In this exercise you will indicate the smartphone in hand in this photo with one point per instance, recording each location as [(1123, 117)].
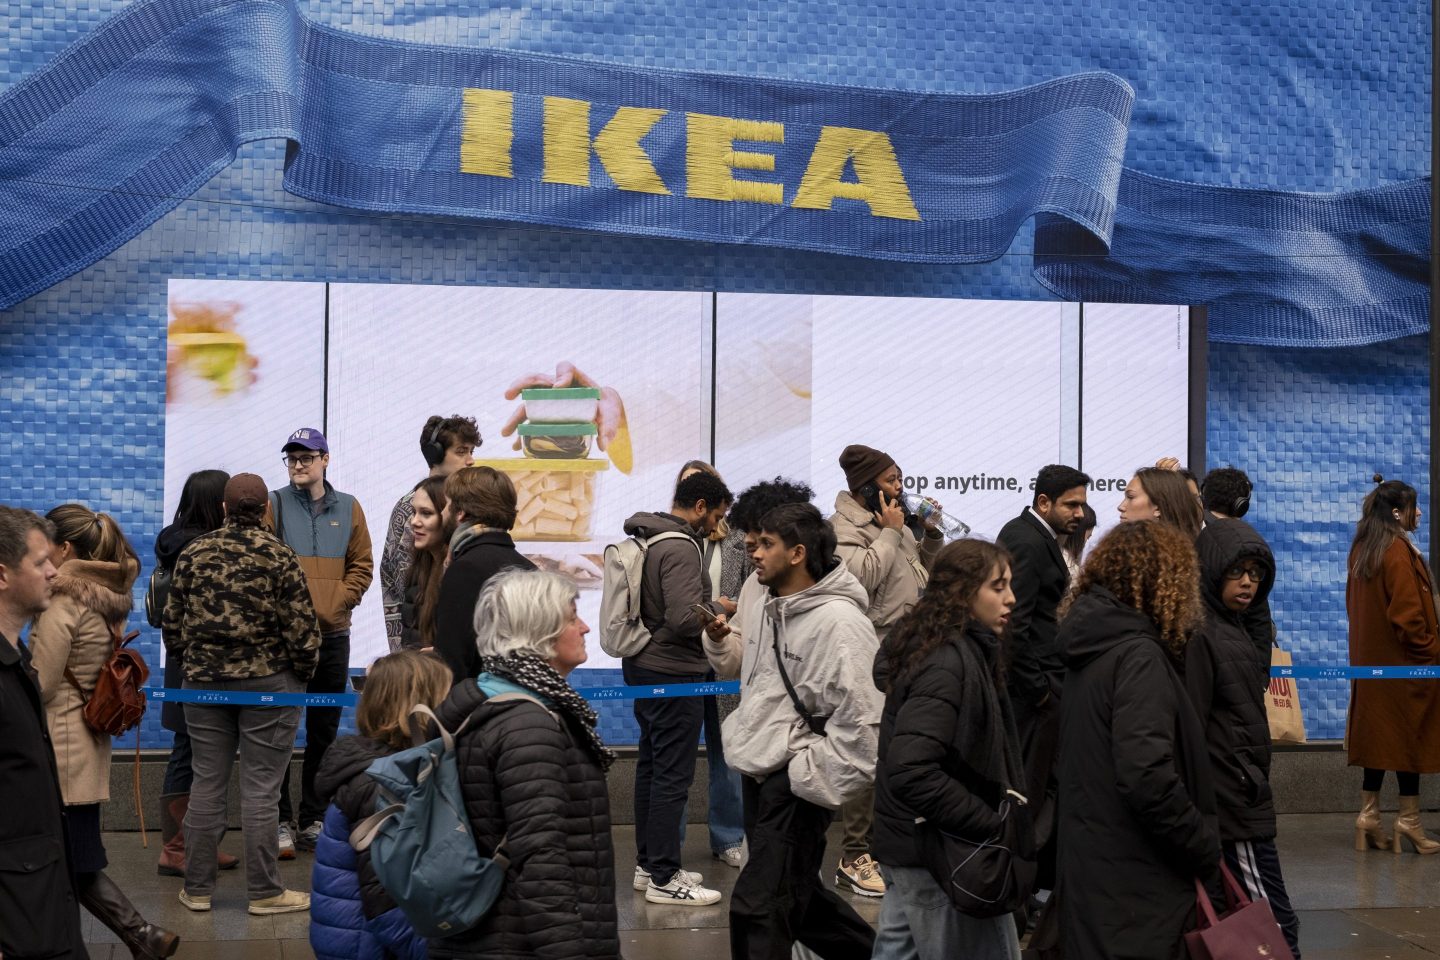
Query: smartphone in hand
[(706, 615)]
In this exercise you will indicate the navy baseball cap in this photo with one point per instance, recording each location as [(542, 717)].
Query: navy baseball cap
[(306, 438)]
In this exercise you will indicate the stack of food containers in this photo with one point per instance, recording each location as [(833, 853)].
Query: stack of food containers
[(556, 479)]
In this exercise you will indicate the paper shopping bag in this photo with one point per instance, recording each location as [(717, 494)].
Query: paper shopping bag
[(1282, 703)]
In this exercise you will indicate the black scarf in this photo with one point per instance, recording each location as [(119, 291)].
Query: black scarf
[(535, 674)]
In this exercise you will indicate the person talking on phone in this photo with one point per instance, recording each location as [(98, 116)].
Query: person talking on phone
[(889, 551)]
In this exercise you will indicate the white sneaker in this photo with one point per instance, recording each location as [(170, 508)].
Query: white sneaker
[(683, 891), (642, 878), (731, 856), (286, 842)]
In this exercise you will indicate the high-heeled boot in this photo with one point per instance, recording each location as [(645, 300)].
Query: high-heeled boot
[(1408, 827), (108, 903), (172, 830), (1369, 833)]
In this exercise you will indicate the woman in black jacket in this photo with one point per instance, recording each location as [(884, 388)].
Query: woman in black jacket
[(534, 773), (948, 751), (1227, 678), (1137, 809), (200, 511)]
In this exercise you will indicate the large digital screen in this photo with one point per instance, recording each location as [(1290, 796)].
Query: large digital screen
[(970, 397)]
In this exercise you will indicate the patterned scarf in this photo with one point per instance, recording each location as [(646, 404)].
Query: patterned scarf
[(535, 674)]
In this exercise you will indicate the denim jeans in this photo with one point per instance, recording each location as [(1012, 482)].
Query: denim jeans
[(265, 738), (918, 922), (669, 742), (178, 773), (332, 675), (727, 818)]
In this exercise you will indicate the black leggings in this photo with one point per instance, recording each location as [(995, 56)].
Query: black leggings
[(1409, 783)]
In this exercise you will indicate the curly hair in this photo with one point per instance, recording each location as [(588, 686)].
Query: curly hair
[(959, 570), (1149, 565)]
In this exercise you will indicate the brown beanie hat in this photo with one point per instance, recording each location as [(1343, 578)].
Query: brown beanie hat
[(244, 487), (863, 464)]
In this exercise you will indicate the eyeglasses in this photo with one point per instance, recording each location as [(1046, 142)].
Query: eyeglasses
[(302, 460), (1252, 570)]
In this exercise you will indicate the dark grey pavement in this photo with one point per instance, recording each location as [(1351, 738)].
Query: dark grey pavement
[(1353, 906)]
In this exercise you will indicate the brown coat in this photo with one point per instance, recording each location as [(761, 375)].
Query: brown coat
[(1394, 724), (75, 633)]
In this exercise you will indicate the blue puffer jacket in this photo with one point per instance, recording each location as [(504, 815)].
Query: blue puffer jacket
[(351, 915)]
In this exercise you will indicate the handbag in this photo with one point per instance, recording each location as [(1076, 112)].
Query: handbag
[(816, 724), (1246, 930), (1282, 703), (992, 877), (117, 704)]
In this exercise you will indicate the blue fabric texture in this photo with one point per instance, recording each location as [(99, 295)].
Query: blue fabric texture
[(1303, 97), (138, 115), (338, 927)]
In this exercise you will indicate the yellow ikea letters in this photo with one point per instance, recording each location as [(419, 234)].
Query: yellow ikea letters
[(711, 155)]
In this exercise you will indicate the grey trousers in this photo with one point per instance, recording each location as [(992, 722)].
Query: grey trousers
[(265, 739)]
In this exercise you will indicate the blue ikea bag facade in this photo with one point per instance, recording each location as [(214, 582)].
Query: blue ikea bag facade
[(420, 842)]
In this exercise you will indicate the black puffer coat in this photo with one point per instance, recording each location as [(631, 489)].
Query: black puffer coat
[(1136, 806), (948, 749), (525, 775), (1226, 677)]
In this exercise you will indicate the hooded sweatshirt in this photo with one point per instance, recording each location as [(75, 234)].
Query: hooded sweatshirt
[(673, 579), (829, 646), (1226, 677)]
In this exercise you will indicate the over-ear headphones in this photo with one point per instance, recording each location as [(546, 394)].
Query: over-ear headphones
[(1239, 506), (432, 450)]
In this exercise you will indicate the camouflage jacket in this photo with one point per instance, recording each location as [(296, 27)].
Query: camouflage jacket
[(241, 608)]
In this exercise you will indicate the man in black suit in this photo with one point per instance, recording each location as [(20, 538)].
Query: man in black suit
[(1038, 576)]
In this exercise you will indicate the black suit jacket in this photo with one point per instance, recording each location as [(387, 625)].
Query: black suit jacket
[(1039, 578)]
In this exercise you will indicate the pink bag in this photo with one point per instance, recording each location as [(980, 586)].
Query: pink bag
[(1246, 931)]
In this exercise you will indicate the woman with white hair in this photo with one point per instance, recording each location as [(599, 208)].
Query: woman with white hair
[(533, 772)]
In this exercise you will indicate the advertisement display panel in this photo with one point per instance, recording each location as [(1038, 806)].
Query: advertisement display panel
[(971, 398)]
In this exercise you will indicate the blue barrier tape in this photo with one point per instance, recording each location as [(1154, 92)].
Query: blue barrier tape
[(1358, 673), (242, 698)]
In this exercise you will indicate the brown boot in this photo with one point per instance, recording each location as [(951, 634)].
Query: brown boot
[(1408, 827), (1369, 834), (110, 906), (173, 807)]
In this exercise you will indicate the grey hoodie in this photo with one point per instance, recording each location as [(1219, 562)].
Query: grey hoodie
[(673, 580), (829, 646)]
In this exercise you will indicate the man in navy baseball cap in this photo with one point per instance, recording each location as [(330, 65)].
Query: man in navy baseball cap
[(306, 438), (326, 529)]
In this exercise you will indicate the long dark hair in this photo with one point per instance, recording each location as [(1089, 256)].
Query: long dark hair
[(959, 570), (428, 566), (1378, 526), (202, 501)]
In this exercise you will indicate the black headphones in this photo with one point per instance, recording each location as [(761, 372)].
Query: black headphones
[(1238, 507), (431, 449)]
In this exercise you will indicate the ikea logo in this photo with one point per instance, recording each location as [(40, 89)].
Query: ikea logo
[(711, 155)]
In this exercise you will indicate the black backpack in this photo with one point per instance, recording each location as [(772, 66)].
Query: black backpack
[(156, 595)]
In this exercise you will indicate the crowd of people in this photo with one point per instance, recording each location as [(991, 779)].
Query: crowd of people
[(1107, 702)]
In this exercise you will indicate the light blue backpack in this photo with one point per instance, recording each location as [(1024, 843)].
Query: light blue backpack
[(420, 841)]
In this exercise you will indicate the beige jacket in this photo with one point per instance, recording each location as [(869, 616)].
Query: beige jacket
[(891, 566), (74, 632)]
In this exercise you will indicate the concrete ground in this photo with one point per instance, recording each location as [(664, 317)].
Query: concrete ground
[(1353, 906)]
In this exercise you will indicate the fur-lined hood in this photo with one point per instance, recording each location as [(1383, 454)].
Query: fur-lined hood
[(100, 586)]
